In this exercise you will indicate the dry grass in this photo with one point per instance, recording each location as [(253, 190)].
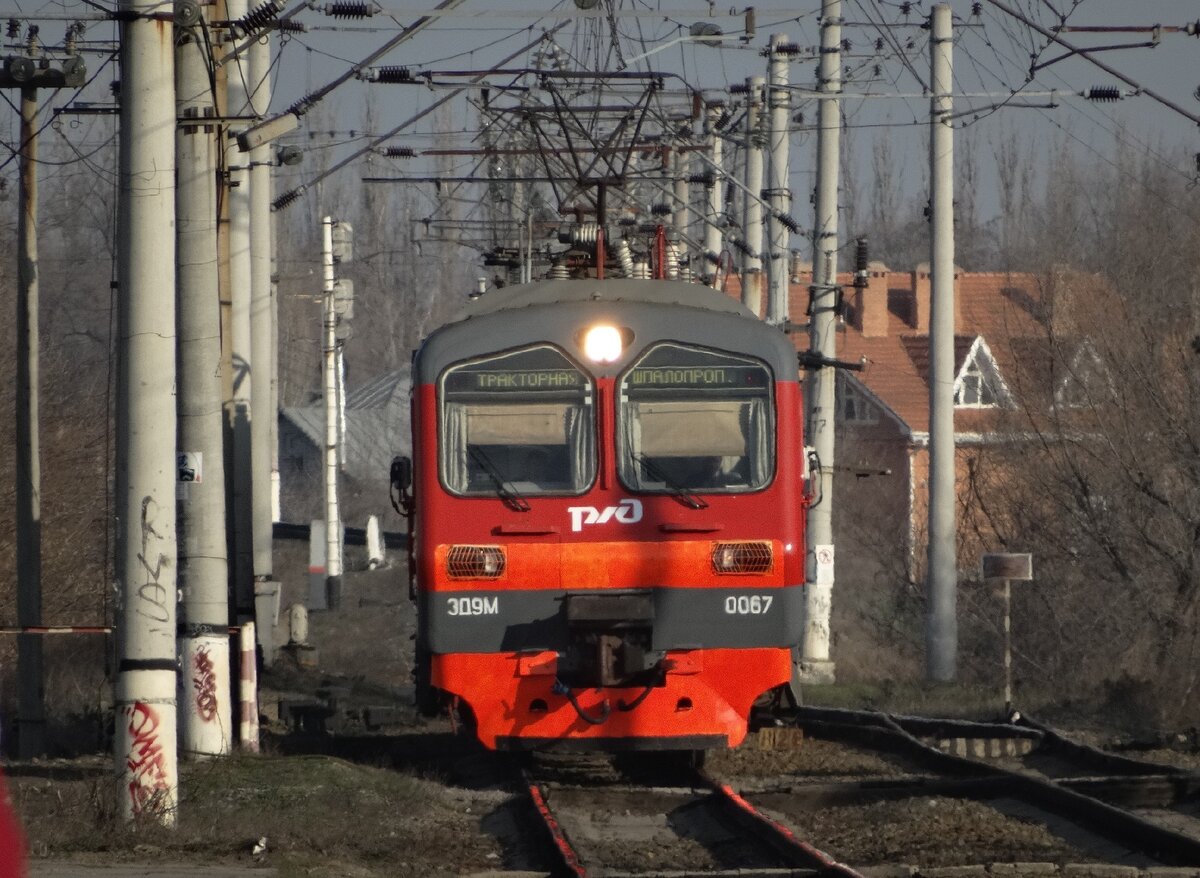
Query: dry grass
[(320, 816)]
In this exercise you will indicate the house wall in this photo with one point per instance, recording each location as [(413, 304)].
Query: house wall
[(980, 471)]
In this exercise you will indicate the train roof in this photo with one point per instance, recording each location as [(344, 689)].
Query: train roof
[(556, 312), (554, 292)]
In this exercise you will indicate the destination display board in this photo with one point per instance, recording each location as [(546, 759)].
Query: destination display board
[(537, 370), (671, 366), (697, 376)]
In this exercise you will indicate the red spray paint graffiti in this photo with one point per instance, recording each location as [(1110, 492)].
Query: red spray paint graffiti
[(205, 684), (149, 776)]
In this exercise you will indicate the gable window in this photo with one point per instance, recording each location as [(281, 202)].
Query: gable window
[(1086, 381), (974, 390), (978, 384), (853, 405)]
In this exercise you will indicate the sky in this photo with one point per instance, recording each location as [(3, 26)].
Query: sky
[(887, 57)]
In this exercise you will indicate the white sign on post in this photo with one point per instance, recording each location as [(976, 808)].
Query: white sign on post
[(190, 466)]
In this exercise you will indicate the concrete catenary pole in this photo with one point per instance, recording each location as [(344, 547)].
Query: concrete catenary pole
[(752, 218), (714, 194), (333, 520), (682, 199), (238, 88), (204, 686), (778, 192), (816, 665), (146, 728), (942, 576), (262, 330), (31, 705)]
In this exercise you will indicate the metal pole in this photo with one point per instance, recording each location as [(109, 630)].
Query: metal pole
[(778, 192), (276, 510), (261, 328), (822, 338), (752, 223), (1008, 693), (205, 699), (238, 103), (146, 727), (31, 709), (942, 573), (333, 523), (713, 244)]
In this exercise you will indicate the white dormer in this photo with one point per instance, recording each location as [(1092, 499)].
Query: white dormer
[(978, 384)]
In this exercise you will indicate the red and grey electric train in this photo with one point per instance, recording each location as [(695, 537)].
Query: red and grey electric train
[(608, 506)]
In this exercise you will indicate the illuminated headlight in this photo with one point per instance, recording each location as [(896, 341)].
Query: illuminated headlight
[(603, 344), (475, 562), (741, 557)]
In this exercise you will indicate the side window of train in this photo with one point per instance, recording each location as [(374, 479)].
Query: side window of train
[(696, 419), (520, 423)]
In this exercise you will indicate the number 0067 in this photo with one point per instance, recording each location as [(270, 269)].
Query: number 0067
[(748, 604)]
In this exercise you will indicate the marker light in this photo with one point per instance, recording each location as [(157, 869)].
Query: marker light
[(749, 557), (602, 344), (475, 562)]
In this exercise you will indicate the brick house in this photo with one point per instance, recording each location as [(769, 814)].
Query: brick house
[(1015, 354)]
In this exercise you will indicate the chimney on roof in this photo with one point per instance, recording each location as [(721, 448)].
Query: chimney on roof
[(922, 287), (870, 303)]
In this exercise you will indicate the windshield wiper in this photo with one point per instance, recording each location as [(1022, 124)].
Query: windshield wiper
[(680, 493), (504, 489)]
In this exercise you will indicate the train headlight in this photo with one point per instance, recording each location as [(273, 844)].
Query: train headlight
[(603, 344), (475, 562), (752, 557)]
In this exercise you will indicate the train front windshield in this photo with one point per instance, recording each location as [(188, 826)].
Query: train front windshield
[(522, 421), (695, 419)]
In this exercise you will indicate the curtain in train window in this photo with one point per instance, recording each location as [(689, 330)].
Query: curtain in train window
[(696, 419), (521, 422)]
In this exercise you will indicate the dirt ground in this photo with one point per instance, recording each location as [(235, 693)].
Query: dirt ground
[(394, 794)]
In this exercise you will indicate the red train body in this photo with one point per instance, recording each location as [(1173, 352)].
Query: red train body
[(608, 545)]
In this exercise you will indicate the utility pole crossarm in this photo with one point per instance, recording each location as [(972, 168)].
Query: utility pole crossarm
[(1086, 53)]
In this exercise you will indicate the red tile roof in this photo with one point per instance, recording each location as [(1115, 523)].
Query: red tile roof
[(1003, 307)]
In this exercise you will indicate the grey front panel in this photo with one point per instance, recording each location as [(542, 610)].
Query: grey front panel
[(497, 620)]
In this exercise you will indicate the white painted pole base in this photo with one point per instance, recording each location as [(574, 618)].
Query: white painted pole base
[(375, 552), (248, 722), (205, 696), (146, 749)]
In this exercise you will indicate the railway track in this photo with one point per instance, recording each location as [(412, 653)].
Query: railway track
[(1094, 807), (610, 819)]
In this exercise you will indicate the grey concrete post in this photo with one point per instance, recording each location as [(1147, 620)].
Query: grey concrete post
[(237, 87), (682, 198), (333, 520), (779, 194), (204, 687), (752, 218), (816, 665), (714, 196), (146, 727), (31, 705), (942, 576)]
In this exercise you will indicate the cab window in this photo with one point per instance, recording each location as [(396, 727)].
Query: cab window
[(521, 422), (695, 419)]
